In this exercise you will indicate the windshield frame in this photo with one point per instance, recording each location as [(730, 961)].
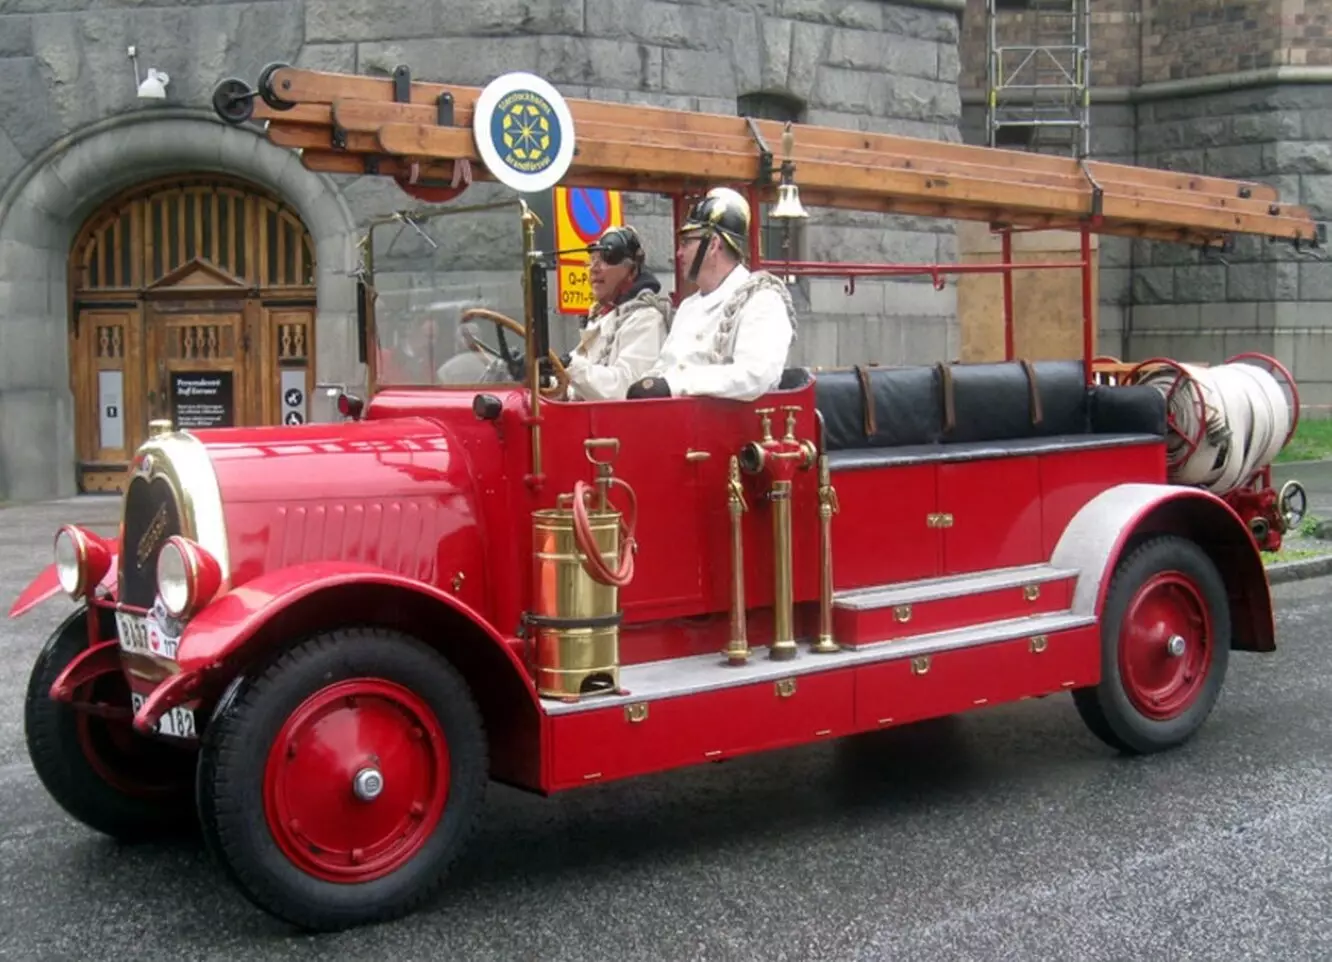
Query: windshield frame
[(534, 282)]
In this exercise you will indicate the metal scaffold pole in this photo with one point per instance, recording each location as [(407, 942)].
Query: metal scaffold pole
[(1038, 75)]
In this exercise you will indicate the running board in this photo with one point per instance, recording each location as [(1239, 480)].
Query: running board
[(906, 610), (688, 676)]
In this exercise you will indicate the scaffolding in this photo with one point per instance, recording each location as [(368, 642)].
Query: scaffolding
[(1039, 92)]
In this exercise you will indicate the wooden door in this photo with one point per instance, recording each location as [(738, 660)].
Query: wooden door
[(192, 274), (286, 364), (196, 371), (107, 368)]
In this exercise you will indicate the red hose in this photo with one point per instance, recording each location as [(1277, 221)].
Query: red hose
[(587, 542)]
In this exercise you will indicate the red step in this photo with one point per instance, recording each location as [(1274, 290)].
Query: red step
[(868, 616)]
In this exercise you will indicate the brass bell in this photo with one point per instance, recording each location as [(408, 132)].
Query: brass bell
[(788, 203)]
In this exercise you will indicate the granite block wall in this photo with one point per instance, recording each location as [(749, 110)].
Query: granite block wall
[(1262, 296), (72, 132), (1234, 89)]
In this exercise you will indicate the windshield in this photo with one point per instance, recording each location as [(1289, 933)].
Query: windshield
[(425, 269)]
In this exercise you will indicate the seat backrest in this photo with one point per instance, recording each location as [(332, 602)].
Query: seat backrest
[(992, 401), (904, 407)]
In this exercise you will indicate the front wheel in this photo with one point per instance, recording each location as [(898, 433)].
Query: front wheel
[(340, 783), (88, 756), (1165, 646)]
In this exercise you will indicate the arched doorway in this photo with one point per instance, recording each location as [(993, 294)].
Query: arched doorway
[(192, 298)]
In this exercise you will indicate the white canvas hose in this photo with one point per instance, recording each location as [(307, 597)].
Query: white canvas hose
[(1246, 416)]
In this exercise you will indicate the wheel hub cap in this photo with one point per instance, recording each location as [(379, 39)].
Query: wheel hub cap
[(368, 784), (386, 743), (1165, 646)]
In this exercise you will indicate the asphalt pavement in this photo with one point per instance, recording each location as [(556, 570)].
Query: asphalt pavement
[(1008, 833)]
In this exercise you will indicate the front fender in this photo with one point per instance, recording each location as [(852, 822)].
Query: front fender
[(223, 630), (47, 584), (1099, 534)]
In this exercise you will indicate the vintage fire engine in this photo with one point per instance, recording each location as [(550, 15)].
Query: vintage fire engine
[(321, 642)]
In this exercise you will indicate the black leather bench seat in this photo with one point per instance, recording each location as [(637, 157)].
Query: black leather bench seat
[(903, 415)]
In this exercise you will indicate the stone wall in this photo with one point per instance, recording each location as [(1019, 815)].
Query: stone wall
[(1158, 71), (1262, 296), (72, 132), (1114, 30)]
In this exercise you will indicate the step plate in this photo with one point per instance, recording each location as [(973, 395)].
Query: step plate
[(933, 589), (856, 626), (688, 676)]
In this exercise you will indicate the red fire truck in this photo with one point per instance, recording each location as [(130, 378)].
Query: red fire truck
[(321, 642)]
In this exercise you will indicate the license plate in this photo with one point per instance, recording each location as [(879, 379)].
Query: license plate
[(144, 635), (177, 722)]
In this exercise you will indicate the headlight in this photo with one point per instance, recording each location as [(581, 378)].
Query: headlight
[(187, 576), (81, 560)]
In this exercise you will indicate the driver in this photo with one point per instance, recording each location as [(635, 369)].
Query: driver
[(729, 339), (408, 355), (623, 333)]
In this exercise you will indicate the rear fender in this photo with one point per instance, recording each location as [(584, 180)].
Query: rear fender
[(47, 584), (1112, 523)]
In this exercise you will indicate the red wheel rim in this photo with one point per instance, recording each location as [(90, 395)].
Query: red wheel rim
[(320, 796), (132, 764), (1165, 646)]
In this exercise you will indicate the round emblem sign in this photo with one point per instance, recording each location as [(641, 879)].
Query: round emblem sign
[(524, 132)]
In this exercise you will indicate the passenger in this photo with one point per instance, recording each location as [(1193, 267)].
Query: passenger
[(624, 331), (731, 338)]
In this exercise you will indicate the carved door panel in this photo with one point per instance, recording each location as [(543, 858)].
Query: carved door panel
[(195, 368), (287, 368), (108, 389)]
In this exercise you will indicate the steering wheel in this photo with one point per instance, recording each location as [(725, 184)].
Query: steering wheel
[(504, 322)]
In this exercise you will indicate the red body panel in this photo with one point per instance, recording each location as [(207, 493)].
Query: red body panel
[(996, 510), (1071, 479), (902, 691), (880, 532), (605, 744), (392, 495)]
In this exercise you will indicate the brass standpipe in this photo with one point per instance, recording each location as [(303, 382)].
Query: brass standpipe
[(530, 222), (603, 466), (828, 506), (737, 649), (781, 458)]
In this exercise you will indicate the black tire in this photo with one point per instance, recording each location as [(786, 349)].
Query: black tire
[(99, 770), (1119, 710), (235, 790)]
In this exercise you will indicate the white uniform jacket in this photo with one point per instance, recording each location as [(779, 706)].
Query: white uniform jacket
[(617, 347), (731, 343)]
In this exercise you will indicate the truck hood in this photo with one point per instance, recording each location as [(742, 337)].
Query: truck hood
[(396, 493)]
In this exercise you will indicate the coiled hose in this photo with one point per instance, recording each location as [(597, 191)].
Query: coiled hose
[(1245, 422)]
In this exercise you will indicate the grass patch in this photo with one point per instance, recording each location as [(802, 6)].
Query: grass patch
[(1312, 442), (1292, 554)]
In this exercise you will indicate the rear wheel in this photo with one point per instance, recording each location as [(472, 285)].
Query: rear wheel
[(1164, 651), (97, 768), (339, 784)]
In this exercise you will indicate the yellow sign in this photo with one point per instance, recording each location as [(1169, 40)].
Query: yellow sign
[(582, 214)]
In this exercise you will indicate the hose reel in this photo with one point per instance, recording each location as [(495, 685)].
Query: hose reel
[(1228, 422)]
